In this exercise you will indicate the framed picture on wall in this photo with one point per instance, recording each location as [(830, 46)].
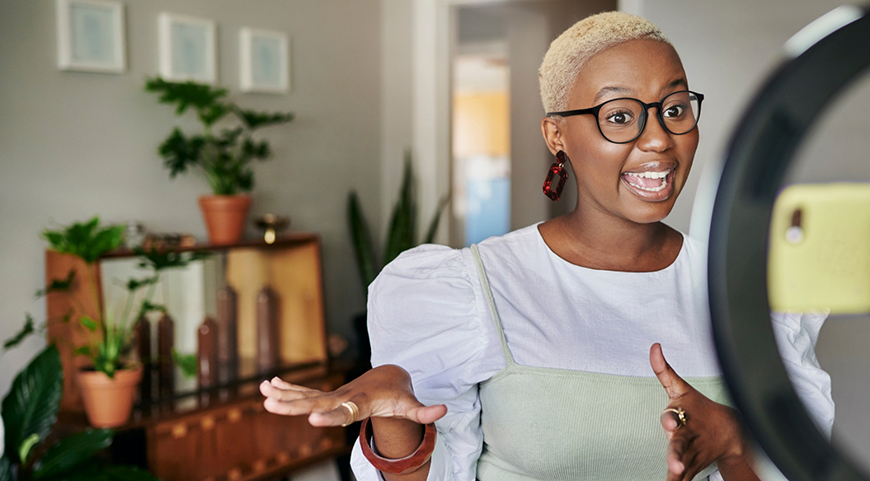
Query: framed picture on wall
[(264, 61), (187, 48), (90, 36)]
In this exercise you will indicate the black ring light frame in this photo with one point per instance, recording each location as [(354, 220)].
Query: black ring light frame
[(760, 151)]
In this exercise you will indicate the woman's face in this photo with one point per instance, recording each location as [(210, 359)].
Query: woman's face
[(617, 179)]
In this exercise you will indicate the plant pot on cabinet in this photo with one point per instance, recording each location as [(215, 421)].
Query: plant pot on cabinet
[(225, 216), (109, 401)]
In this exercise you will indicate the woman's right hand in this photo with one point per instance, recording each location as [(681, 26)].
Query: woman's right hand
[(384, 391)]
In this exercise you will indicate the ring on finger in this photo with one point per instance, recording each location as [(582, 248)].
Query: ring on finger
[(353, 410), (681, 416)]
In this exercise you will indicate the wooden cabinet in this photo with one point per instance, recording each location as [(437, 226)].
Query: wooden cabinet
[(223, 432), (238, 440)]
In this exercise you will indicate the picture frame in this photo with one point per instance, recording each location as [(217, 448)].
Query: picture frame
[(187, 48), (264, 61), (91, 36)]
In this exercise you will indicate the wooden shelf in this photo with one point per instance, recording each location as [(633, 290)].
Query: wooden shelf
[(221, 433)]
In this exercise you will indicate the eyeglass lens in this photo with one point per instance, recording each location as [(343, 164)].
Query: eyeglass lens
[(622, 120)]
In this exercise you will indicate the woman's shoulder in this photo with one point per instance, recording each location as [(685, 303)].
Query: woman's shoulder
[(426, 313)]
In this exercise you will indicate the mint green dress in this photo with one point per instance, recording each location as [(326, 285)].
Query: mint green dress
[(549, 424)]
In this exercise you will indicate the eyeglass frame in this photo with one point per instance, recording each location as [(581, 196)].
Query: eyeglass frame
[(646, 106)]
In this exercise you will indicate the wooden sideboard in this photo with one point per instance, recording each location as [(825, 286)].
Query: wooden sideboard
[(223, 432)]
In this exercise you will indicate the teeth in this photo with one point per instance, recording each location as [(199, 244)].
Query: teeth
[(651, 175)]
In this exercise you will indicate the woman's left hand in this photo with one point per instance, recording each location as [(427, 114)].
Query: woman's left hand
[(711, 431)]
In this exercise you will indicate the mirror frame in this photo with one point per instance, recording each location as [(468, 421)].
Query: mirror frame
[(759, 154)]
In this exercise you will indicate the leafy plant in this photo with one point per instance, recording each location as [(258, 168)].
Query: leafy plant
[(29, 410), (402, 233), (111, 341), (224, 157)]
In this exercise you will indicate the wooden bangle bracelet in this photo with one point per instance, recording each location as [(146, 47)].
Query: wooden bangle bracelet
[(409, 463)]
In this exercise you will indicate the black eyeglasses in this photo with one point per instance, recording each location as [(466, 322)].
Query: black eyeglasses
[(622, 120)]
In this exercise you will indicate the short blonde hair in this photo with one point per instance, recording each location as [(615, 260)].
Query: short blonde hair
[(578, 44)]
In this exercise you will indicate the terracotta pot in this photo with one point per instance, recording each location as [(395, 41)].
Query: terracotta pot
[(109, 402), (225, 216)]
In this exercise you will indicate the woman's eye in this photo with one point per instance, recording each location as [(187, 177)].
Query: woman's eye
[(674, 111), (619, 118)]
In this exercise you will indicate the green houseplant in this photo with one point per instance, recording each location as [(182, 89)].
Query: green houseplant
[(225, 157), (109, 334), (401, 236), (32, 451)]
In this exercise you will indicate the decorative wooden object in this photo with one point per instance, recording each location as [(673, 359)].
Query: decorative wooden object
[(268, 342), (143, 350), (227, 330), (206, 358), (165, 344)]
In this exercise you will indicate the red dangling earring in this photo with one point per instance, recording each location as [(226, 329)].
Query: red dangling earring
[(558, 168)]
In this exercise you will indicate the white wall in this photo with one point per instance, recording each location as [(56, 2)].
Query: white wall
[(76, 144)]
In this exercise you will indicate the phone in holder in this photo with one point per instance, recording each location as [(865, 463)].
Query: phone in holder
[(819, 255)]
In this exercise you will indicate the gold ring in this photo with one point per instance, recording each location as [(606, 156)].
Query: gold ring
[(681, 416), (353, 410)]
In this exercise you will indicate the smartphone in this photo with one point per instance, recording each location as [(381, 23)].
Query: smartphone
[(819, 255)]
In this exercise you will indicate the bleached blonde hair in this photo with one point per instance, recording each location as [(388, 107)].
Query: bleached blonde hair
[(571, 50)]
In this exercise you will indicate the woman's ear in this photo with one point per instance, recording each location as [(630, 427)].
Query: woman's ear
[(551, 128)]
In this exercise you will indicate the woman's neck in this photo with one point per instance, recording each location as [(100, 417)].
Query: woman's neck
[(604, 242)]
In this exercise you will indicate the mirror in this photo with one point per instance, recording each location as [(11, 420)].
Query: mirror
[(275, 307)]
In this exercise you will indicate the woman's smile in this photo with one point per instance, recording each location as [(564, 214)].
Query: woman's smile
[(652, 183)]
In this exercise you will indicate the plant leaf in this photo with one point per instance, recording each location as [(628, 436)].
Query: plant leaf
[(26, 446), (31, 405), (179, 151), (136, 284), (433, 225), (58, 285), (362, 241), (185, 94), (21, 335), (5, 469), (68, 453), (187, 363), (82, 351), (159, 260), (254, 120), (403, 221), (87, 241), (89, 323)]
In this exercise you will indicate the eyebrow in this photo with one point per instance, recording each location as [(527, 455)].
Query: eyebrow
[(610, 89), (627, 91)]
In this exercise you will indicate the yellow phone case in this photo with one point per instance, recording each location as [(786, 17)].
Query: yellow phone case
[(819, 254)]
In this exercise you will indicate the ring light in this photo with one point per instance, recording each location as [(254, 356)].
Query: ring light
[(760, 151)]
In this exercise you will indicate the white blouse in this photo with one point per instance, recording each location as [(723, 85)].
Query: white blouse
[(428, 314)]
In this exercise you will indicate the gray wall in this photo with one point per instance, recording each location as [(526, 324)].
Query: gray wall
[(75, 144)]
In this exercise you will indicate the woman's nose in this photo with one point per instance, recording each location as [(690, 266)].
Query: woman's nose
[(654, 136)]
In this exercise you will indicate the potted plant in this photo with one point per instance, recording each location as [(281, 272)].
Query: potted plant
[(401, 236), (225, 158), (32, 452), (108, 384)]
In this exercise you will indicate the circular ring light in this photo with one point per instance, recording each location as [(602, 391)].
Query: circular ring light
[(760, 151)]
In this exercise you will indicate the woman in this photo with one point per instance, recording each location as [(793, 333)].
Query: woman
[(537, 353)]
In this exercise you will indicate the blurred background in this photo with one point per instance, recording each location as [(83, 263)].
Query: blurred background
[(452, 81)]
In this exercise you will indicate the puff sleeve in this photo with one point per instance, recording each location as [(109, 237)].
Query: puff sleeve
[(796, 335), (425, 314)]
